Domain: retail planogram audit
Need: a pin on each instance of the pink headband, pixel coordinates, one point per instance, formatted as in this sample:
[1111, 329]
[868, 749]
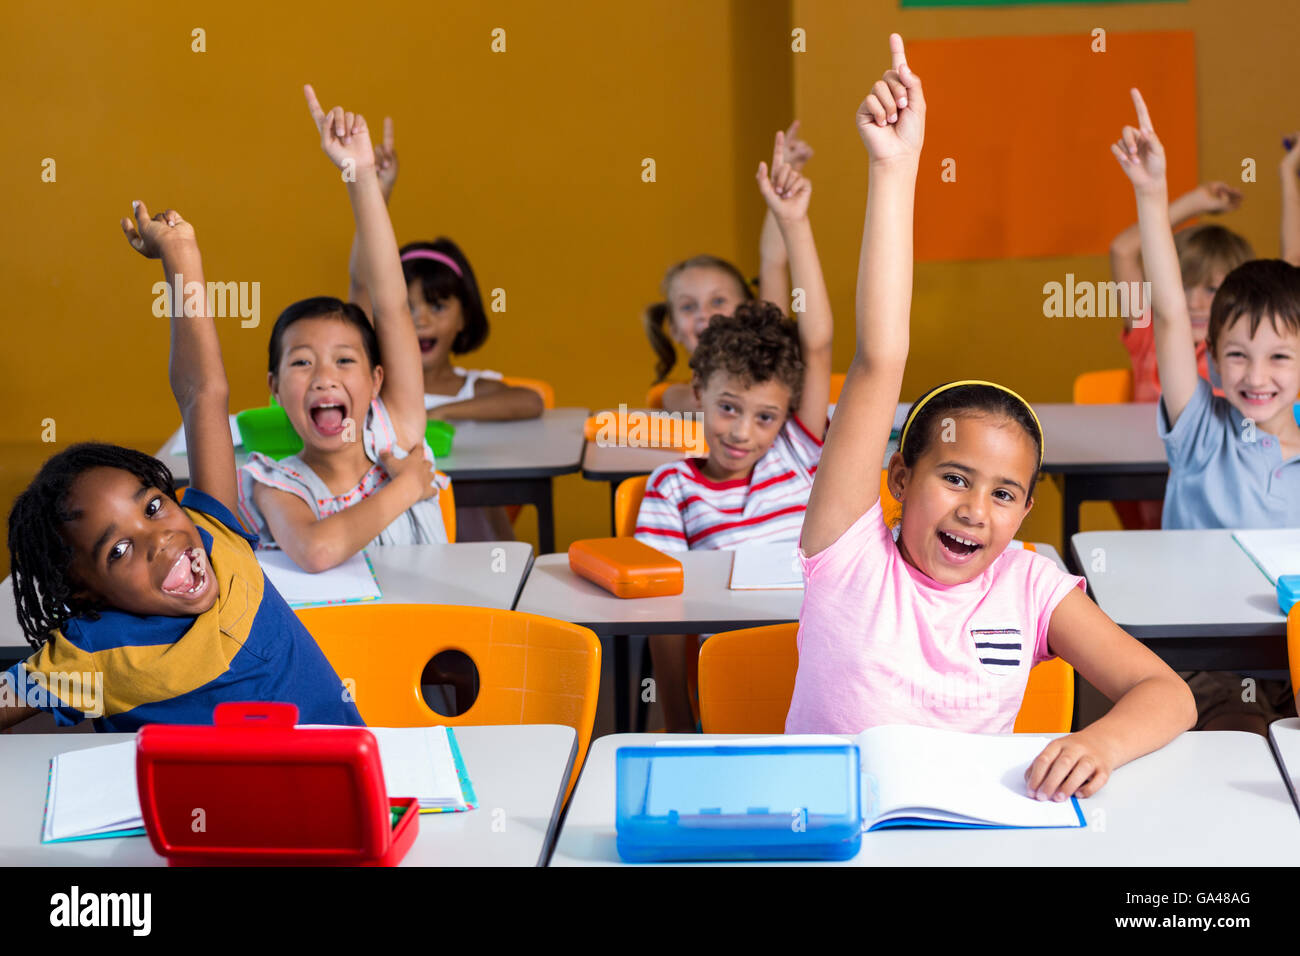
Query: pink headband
[435, 256]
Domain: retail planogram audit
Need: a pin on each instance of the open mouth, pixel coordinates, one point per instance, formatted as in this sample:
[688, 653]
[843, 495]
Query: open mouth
[328, 417]
[189, 575]
[427, 345]
[957, 547]
[1256, 398]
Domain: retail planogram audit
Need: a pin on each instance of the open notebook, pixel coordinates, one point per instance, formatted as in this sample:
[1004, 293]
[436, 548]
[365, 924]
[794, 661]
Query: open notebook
[353, 580]
[1275, 551]
[911, 777]
[92, 793]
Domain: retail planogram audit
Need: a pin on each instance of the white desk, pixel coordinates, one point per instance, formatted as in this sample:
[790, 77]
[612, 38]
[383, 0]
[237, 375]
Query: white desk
[1207, 799]
[1194, 597]
[1284, 736]
[519, 776]
[491, 463]
[706, 605]
[408, 574]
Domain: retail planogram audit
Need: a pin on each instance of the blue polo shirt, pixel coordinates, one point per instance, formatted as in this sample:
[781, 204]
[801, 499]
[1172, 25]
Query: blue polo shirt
[1218, 476]
[126, 670]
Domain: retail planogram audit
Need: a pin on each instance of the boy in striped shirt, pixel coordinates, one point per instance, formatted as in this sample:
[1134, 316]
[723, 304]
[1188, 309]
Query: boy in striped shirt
[763, 384]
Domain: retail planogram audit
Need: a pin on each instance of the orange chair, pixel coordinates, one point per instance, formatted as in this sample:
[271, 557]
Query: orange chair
[1112, 386]
[837, 384]
[747, 680]
[655, 397]
[627, 502]
[532, 669]
[1293, 643]
[447, 504]
[543, 389]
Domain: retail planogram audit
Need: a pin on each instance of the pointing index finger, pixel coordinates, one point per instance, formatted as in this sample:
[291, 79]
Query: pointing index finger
[313, 105]
[1144, 117]
[897, 56]
[388, 133]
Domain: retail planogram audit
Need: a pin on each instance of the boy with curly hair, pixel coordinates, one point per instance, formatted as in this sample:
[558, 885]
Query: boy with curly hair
[763, 384]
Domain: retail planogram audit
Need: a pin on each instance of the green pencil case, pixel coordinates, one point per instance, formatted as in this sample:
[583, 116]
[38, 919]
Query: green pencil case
[267, 430]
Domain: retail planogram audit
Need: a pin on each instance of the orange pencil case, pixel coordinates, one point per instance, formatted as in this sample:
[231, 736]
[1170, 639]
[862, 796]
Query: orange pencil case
[625, 567]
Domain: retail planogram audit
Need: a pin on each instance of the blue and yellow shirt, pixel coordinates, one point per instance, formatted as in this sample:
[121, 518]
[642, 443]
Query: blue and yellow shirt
[126, 670]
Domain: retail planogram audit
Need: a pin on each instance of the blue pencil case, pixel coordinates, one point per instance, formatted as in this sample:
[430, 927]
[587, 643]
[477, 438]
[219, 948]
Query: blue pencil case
[1288, 591]
[781, 802]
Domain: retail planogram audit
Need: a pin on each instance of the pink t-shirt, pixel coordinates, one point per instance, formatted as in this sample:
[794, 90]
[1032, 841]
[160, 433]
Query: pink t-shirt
[882, 643]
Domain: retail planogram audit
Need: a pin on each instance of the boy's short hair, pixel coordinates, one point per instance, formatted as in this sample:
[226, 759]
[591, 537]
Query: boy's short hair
[1260, 289]
[1205, 250]
[757, 344]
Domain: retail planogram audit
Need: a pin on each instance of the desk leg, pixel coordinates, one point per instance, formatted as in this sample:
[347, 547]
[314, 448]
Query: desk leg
[622, 721]
[613, 511]
[546, 518]
[1071, 503]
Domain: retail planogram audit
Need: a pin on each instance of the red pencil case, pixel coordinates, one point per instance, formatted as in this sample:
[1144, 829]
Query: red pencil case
[254, 790]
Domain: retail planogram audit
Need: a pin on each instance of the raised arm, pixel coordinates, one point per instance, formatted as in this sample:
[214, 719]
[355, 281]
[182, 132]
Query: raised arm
[346, 140]
[891, 121]
[787, 194]
[1126, 248]
[774, 261]
[386, 169]
[1290, 170]
[1142, 158]
[198, 377]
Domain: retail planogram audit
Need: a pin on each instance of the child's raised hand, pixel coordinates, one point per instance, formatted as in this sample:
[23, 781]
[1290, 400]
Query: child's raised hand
[1218, 197]
[786, 191]
[150, 236]
[1076, 765]
[1291, 161]
[891, 120]
[1139, 151]
[343, 135]
[797, 151]
[386, 159]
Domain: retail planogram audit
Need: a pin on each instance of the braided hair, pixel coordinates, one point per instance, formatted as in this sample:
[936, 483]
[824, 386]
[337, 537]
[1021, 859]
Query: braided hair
[40, 555]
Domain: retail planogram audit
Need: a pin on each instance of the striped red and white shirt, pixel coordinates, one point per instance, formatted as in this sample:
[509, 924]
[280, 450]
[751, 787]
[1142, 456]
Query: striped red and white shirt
[683, 510]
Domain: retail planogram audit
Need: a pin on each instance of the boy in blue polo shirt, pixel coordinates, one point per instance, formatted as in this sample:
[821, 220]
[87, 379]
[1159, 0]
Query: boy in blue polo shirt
[142, 610]
[1234, 462]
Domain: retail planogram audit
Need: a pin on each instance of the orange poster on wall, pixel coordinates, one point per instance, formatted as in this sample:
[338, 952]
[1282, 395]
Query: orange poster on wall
[1017, 158]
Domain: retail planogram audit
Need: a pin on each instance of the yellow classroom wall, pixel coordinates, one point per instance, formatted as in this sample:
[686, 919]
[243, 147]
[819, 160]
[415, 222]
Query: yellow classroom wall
[532, 160]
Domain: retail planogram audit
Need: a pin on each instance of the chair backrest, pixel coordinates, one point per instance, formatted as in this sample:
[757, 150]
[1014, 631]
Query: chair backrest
[747, 680]
[655, 397]
[532, 669]
[1111, 386]
[837, 385]
[627, 502]
[543, 389]
[1293, 643]
[447, 504]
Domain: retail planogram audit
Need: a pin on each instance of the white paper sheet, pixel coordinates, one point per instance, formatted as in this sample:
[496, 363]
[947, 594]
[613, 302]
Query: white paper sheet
[353, 580]
[1275, 551]
[766, 567]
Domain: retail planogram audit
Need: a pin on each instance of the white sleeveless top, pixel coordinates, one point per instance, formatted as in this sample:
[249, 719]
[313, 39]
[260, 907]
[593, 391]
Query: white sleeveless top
[466, 391]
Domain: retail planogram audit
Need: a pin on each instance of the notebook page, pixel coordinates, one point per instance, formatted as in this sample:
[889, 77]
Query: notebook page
[93, 790]
[766, 567]
[418, 763]
[350, 581]
[1275, 551]
[980, 777]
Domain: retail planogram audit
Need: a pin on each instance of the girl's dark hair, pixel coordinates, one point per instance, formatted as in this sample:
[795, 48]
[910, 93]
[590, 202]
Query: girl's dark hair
[440, 283]
[656, 317]
[321, 306]
[979, 399]
[40, 556]
[1260, 289]
[757, 344]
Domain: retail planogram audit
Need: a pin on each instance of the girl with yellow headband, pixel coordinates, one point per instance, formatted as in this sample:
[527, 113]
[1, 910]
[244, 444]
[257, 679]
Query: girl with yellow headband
[940, 624]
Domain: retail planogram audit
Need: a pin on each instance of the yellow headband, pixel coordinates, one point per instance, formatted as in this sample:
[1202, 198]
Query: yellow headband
[943, 388]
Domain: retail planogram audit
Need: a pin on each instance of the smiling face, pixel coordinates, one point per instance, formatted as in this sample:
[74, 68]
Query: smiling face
[324, 379]
[1199, 299]
[964, 499]
[134, 549]
[436, 324]
[695, 296]
[1260, 373]
[740, 422]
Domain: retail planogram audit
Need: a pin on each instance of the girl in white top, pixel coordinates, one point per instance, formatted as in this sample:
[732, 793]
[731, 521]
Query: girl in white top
[444, 301]
[355, 482]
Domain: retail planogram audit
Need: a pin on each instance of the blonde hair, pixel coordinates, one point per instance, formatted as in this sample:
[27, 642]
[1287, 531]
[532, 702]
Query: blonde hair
[1205, 250]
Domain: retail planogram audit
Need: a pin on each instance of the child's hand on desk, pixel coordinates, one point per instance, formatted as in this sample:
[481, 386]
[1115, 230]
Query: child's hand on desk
[785, 190]
[343, 136]
[414, 470]
[1139, 151]
[1077, 765]
[150, 236]
[891, 120]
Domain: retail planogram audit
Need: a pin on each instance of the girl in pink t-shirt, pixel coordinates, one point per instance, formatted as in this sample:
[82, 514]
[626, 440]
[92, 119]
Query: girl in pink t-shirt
[940, 625]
